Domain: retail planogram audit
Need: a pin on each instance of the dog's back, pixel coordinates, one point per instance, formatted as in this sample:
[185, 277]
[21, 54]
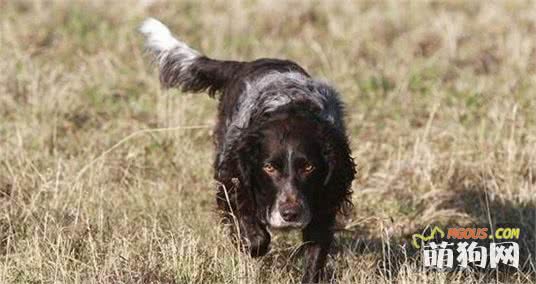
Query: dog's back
[246, 88]
[187, 69]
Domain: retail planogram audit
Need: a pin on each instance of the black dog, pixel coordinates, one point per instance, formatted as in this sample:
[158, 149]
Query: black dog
[282, 156]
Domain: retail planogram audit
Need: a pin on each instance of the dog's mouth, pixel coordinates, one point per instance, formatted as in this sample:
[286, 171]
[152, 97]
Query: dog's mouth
[276, 221]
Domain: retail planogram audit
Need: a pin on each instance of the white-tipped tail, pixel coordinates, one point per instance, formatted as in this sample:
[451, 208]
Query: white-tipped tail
[157, 35]
[160, 41]
[176, 62]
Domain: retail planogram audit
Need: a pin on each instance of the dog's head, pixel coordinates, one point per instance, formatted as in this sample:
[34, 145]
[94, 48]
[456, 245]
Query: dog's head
[290, 168]
[295, 166]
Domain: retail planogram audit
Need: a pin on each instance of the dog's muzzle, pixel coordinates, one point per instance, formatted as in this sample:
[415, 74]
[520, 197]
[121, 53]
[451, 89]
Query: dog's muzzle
[289, 215]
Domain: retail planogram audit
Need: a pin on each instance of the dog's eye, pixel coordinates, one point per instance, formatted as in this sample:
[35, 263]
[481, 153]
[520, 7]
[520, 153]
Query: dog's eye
[269, 168]
[308, 168]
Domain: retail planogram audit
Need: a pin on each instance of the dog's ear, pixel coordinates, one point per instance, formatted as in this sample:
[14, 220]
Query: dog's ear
[235, 171]
[340, 167]
[236, 164]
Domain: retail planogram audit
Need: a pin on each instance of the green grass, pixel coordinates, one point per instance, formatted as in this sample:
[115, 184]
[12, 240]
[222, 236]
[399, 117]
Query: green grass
[440, 111]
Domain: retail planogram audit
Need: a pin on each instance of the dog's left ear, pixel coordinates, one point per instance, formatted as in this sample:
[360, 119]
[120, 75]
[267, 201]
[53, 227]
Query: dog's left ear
[341, 167]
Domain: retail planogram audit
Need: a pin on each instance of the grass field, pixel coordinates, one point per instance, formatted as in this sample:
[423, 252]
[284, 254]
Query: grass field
[441, 110]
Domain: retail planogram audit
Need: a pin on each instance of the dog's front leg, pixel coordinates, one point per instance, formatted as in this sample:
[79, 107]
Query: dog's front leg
[318, 240]
[254, 235]
[244, 225]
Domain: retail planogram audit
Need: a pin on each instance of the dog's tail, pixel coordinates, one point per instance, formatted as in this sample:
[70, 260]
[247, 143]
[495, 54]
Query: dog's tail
[183, 67]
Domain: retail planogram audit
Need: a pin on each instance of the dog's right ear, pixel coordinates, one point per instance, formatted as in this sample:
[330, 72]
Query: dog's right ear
[238, 158]
[235, 172]
[183, 67]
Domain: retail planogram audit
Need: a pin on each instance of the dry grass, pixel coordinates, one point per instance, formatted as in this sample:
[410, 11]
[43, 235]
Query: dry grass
[440, 107]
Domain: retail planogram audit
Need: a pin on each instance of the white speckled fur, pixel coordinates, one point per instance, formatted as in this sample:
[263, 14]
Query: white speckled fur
[258, 95]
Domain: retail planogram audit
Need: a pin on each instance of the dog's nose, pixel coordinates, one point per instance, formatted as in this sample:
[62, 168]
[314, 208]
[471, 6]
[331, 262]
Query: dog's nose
[290, 213]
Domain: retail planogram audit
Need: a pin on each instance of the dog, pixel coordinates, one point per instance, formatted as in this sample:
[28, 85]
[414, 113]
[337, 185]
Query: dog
[283, 159]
